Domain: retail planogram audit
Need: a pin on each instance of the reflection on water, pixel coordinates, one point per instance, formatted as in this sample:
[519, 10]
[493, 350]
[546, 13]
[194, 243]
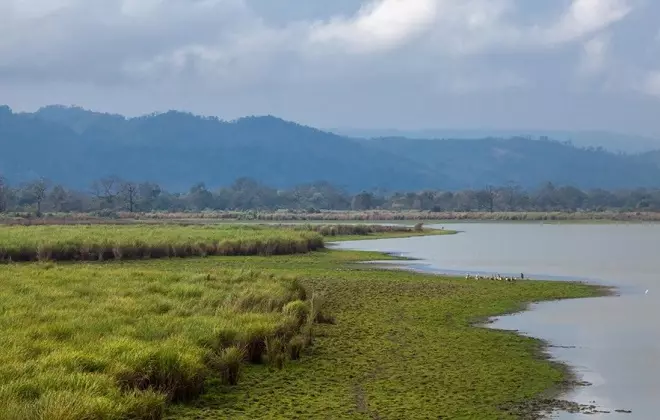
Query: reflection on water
[612, 342]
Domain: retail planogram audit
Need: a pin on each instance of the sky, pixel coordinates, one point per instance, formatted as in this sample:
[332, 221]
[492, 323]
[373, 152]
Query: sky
[406, 64]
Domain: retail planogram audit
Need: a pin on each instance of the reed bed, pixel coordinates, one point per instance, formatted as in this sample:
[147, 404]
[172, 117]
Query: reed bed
[93, 243]
[122, 341]
[204, 218]
[352, 229]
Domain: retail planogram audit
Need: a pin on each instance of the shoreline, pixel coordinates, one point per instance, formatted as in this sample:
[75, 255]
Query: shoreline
[550, 401]
[336, 216]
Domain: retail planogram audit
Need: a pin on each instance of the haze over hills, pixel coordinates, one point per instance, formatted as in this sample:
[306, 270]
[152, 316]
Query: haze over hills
[614, 142]
[74, 146]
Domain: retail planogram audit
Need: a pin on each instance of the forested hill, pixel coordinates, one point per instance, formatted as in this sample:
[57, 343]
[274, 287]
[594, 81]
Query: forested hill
[73, 146]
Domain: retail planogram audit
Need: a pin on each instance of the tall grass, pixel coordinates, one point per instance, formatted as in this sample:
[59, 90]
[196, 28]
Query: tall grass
[121, 341]
[396, 215]
[196, 218]
[349, 229]
[88, 243]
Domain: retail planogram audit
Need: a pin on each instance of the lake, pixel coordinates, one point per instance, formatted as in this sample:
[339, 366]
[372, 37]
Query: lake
[611, 342]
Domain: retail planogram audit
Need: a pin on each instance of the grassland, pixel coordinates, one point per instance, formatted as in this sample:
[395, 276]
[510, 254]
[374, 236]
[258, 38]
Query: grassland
[353, 232]
[98, 341]
[236, 337]
[397, 215]
[122, 242]
[404, 345]
[220, 217]
[92, 243]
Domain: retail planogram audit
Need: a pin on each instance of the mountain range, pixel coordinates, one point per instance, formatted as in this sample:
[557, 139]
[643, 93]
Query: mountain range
[616, 142]
[74, 146]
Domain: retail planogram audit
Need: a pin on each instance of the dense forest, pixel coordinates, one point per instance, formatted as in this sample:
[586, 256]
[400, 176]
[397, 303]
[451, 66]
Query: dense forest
[73, 146]
[109, 195]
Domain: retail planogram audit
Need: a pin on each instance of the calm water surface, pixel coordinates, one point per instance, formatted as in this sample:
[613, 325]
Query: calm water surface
[612, 342]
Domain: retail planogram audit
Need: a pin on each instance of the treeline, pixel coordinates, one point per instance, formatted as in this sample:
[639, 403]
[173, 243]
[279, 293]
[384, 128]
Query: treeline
[110, 195]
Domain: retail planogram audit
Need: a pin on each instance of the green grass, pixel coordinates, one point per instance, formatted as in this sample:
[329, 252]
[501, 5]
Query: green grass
[120, 341]
[403, 346]
[390, 235]
[229, 337]
[62, 243]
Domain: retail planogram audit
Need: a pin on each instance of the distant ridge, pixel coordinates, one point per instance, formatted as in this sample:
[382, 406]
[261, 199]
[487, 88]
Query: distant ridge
[614, 142]
[74, 146]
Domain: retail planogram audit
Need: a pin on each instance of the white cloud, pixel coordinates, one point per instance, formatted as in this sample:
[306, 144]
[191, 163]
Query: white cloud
[379, 25]
[594, 54]
[584, 17]
[651, 84]
[431, 49]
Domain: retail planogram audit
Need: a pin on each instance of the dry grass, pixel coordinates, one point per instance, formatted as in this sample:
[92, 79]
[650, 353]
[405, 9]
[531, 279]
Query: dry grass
[324, 216]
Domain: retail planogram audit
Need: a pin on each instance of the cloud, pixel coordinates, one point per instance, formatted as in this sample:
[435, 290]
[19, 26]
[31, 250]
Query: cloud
[651, 84]
[585, 17]
[594, 54]
[378, 25]
[280, 59]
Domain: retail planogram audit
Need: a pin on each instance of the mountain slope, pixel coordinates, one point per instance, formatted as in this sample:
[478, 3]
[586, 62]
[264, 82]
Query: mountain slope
[74, 146]
[178, 149]
[614, 142]
[524, 162]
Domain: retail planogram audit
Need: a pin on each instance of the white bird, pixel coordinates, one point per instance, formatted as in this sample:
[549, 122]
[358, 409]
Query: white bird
[647, 292]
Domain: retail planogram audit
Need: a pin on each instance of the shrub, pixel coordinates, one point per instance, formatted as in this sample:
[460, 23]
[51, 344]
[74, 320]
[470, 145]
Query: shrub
[228, 363]
[276, 352]
[296, 346]
[297, 309]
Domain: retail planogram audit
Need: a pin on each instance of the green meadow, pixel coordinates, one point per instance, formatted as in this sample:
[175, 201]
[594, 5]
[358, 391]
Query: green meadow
[303, 334]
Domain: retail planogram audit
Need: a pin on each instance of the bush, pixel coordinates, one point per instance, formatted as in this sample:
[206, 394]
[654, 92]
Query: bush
[228, 363]
[296, 346]
[297, 309]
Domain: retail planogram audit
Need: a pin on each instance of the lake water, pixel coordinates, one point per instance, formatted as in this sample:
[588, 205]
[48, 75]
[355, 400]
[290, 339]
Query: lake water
[611, 342]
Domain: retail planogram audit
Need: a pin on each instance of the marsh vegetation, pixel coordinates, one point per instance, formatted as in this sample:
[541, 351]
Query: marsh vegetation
[298, 333]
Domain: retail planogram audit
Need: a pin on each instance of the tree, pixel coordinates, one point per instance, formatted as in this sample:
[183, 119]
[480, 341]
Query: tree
[362, 201]
[511, 195]
[129, 192]
[199, 197]
[58, 197]
[148, 194]
[38, 190]
[106, 190]
[4, 199]
[486, 198]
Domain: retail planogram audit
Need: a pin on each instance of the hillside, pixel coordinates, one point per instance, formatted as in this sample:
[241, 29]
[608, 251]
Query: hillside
[178, 150]
[525, 162]
[74, 146]
[614, 142]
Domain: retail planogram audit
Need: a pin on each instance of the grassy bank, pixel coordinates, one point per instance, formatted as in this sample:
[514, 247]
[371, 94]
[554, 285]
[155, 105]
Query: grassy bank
[354, 232]
[121, 341]
[188, 338]
[403, 346]
[397, 215]
[92, 243]
[103, 242]
[326, 216]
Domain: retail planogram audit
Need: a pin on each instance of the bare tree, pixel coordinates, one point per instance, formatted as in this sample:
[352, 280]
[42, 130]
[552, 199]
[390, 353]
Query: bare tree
[491, 195]
[38, 189]
[129, 192]
[486, 198]
[58, 197]
[106, 191]
[3, 194]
